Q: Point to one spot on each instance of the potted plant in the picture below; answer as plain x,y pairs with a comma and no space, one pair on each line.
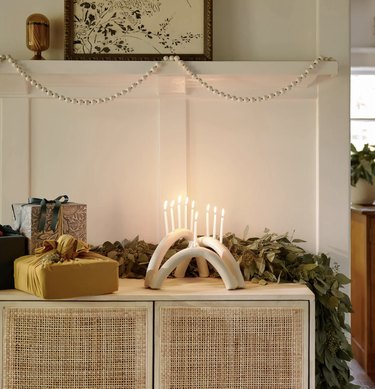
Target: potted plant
362,174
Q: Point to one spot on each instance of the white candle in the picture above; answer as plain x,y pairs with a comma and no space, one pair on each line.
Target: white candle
192,215
222,225
195,228
208,220
172,215
214,226
186,213
166,217
179,211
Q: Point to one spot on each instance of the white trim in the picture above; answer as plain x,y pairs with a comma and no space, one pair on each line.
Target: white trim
15,147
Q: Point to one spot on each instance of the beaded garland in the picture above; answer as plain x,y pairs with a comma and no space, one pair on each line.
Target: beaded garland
153,69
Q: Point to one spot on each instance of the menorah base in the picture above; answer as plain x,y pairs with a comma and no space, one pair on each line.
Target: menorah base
207,249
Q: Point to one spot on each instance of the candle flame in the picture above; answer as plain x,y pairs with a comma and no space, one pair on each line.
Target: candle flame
193,204
165,204
187,201
208,208
179,200
172,204
215,209
222,212
196,216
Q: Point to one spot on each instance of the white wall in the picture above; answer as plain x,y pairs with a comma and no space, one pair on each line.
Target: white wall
257,162
106,159
363,23
243,29
283,164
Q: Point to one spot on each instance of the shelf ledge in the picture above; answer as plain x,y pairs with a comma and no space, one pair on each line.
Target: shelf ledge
240,77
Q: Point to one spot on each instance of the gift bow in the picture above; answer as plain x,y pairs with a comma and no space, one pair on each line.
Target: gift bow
65,248
43,210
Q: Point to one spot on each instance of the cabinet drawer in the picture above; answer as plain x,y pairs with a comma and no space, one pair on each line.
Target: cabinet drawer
106,345
233,344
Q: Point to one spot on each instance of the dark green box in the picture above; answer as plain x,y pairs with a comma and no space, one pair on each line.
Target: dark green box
11,248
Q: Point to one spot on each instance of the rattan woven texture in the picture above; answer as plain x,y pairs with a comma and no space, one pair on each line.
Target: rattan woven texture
231,348
75,348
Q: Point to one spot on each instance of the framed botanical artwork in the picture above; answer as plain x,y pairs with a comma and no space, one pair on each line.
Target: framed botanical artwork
138,29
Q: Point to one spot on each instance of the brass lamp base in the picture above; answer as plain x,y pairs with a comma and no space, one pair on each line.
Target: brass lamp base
37,55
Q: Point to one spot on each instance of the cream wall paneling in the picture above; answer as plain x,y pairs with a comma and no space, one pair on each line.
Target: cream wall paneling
136,325
333,136
312,125
169,94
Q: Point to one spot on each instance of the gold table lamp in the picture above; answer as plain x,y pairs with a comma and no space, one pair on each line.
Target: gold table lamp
37,34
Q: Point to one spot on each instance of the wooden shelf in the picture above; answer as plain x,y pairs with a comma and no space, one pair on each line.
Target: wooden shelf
240,77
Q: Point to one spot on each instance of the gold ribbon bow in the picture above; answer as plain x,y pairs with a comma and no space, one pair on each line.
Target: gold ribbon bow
65,248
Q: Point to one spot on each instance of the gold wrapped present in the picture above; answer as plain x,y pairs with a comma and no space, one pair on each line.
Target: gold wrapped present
65,268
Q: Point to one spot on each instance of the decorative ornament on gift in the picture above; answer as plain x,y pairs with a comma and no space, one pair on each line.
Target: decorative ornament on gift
204,249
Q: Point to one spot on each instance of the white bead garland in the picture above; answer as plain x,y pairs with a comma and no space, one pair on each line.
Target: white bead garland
154,69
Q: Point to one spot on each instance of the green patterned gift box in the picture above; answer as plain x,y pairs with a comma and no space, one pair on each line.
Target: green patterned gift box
42,219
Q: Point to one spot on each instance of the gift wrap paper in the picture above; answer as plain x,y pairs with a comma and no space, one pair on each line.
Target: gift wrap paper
80,272
72,221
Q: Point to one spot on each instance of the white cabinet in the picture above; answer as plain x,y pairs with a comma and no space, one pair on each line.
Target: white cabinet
191,334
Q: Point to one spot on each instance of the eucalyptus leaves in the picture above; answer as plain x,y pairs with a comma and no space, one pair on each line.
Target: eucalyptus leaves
274,258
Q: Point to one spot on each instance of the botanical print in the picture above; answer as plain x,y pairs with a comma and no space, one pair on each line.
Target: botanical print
138,26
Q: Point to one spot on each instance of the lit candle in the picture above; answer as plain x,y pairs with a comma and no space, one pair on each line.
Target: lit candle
222,225
214,227
172,215
166,217
179,211
195,228
208,220
186,213
192,215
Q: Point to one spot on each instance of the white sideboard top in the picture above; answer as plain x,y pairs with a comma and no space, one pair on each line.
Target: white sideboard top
192,289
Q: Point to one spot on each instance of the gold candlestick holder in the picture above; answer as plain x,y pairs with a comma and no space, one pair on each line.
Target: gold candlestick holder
37,34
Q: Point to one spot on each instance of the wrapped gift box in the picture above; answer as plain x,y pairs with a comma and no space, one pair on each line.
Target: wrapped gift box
11,247
72,220
65,268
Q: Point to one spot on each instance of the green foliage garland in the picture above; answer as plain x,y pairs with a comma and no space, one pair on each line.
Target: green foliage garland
274,258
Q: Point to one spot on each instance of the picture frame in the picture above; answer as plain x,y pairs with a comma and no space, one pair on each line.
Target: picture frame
138,29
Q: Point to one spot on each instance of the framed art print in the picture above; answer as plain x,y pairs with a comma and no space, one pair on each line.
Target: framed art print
138,29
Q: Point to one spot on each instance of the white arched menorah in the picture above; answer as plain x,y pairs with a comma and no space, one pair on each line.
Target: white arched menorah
204,249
